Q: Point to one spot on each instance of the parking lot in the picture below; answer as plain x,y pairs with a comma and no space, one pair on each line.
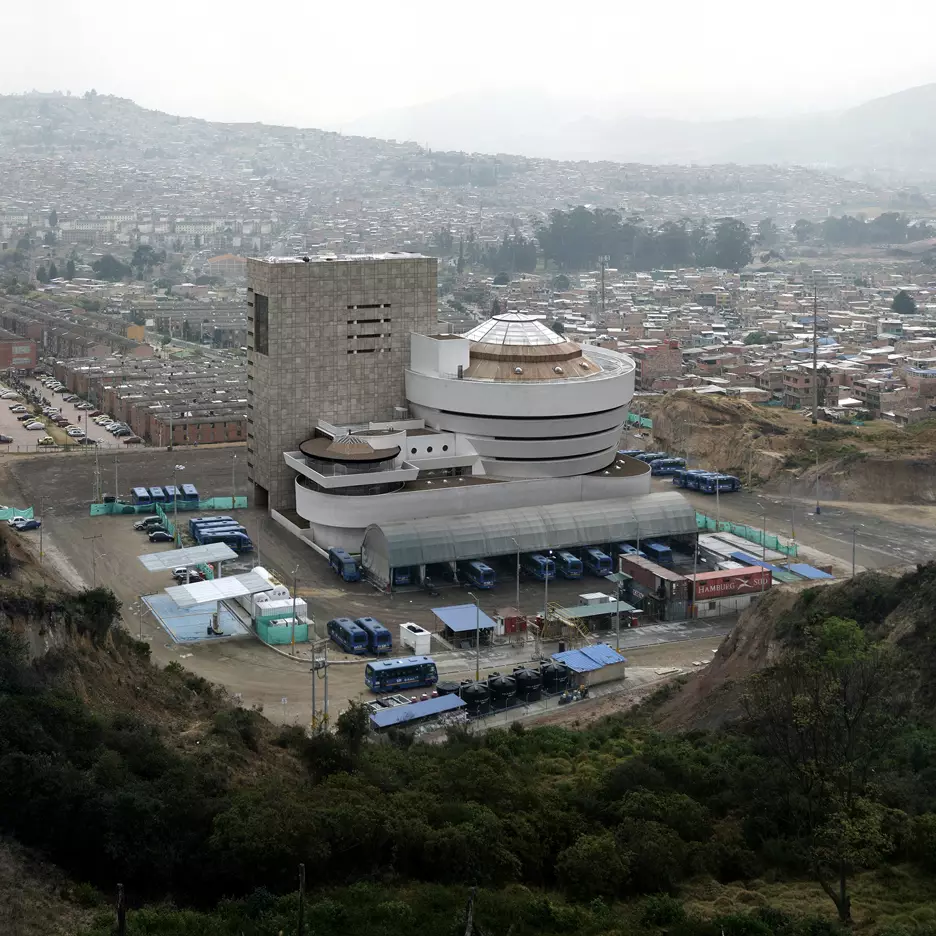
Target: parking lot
76,417
106,547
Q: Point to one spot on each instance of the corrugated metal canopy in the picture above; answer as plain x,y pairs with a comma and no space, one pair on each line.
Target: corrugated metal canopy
588,659
401,714
463,618
492,533
232,586
192,556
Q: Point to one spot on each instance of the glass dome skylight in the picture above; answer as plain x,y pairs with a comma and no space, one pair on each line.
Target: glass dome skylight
514,328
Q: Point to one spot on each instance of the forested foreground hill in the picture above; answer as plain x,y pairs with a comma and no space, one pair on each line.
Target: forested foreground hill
819,804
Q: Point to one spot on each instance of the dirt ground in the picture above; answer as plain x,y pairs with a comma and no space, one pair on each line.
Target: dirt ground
80,549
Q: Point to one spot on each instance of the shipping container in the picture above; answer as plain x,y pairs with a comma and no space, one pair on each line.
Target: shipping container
725,582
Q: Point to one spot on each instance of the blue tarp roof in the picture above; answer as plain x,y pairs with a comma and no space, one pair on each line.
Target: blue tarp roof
808,571
463,618
401,714
752,560
589,658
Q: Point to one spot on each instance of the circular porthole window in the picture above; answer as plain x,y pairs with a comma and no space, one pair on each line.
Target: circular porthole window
518,370
412,451
444,448
428,448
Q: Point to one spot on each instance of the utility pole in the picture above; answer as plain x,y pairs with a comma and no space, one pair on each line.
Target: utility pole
314,720
818,508
41,518
96,536
233,489
325,700
116,489
477,637
295,586
854,534
764,553
603,261
175,504
518,572
815,356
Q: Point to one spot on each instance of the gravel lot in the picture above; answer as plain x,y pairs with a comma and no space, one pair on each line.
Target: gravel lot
64,484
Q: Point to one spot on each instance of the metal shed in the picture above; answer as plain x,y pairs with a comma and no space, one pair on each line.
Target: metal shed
594,665
410,543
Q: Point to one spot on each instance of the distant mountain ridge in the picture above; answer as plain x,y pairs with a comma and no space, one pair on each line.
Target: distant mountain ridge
895,132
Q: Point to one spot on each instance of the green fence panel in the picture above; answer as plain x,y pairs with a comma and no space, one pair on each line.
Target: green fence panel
206,569
752,534
211,503
10,512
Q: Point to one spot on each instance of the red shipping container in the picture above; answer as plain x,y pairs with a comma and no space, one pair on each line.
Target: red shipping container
725,582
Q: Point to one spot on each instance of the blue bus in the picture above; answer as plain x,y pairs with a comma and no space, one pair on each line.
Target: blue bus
158,495
659,553
196,522
141,496
478,573
343,563
650,456
667,466
172,493
402,576
688,478
204,531
402,673
190,493
379,639
631,453
567,565
348,635
710,483
239,542
625,549
539,566
597,562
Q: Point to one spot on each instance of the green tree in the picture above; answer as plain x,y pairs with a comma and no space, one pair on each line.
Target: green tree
731,249
53,218
558,326
803,230
48,239
53,270
461,255
766,232
828,713
757,337
42,275
904,304
110,268
501,279
593,867
561,282
70,269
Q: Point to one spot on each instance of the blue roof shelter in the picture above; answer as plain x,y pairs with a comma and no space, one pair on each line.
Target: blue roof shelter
403,715
460,622
594,664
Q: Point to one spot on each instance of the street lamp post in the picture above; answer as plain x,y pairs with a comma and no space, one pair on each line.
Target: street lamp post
518,572
477,637
295,587
818,507
233,487
854,534
175,503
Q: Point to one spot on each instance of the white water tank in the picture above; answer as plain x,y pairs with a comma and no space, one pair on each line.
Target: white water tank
417,638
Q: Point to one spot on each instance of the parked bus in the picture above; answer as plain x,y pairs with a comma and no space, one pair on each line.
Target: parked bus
567,565
687,477
539,566
402,576
667,466
402,673
709,483
172,493
659,553
190,493
344,564
379,639
631,453
158,495
239,542
625,549
597,562
348,636
141,496
650,456
478,573
210,530
196,522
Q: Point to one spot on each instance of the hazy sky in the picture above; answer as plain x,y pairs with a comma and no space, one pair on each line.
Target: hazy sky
325,62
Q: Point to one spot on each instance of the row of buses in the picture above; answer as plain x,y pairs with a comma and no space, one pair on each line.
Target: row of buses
693,479
167,494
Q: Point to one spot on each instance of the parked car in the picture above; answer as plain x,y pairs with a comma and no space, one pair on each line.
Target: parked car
17,408
46,440
121,432
35,426
129,440
74,432
94,412
160,536
5,439
24,523
194,575
25,417
84,440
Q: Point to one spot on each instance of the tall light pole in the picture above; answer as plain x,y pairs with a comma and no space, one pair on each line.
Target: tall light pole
518,572
546,588
815,356
603,261
233,488
854,534
818,507
477,637
295,589
175,504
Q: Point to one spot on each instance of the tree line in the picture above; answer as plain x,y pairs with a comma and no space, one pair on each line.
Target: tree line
891,227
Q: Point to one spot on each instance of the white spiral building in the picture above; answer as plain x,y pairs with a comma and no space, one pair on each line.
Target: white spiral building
528,402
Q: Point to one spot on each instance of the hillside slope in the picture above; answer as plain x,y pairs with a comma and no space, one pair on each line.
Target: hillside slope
875,462
894,609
